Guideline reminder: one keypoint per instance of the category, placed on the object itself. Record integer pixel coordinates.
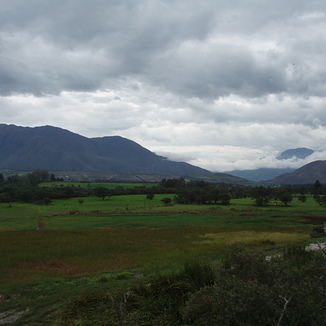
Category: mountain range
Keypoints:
(261, 174)
(52, 148)
(264, 174)
(64, 152)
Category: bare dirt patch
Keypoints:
(11, 316)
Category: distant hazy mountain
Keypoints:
(307, 174)
(51, 148)
(261, 174)
(300, 153)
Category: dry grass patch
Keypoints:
(251, 238)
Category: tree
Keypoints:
(225, 198)
(215, 195)
(150, 196)
(166, 200)
(302, 197)
(261, 195)
(34, 178)
(172, 183)
(101, 192)
(6, 198)
(321, 200)
(285, 197)
(2, 179)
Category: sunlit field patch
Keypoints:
(252, 238)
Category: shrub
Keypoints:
(166, 201)
(161, 301)
(288, 290)
(199, 274)
(231, 301)
(88, 309)
(247, 265)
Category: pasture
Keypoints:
(67, 247)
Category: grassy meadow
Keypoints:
(50, 253)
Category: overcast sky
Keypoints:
(220, 84)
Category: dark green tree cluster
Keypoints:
(264, 195)
(28, 180)
(175, 183)
(319, 193)
(41, 195)
(200, 196)
(202, 192)
(25, 188)
(101, 192)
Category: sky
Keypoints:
(224, 85)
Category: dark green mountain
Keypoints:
(307, 174)
(56, 149)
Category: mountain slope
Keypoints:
(51, 148)
(307, 174)
(261, 174)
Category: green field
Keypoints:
(55, 251)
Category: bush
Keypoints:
(244, 290)
(288, 290)
(231, 301)
(89, 309)
(161, 301)
(166, 201)
(247, 265)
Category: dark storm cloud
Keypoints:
(194, 49)
(197, 71)
(60, 42)
(147, 38)
(187, 47)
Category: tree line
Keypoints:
(26, 188)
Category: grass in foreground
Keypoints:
(66, 248)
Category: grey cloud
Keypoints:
(85, 45)
(120, 37)
(220, 70)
